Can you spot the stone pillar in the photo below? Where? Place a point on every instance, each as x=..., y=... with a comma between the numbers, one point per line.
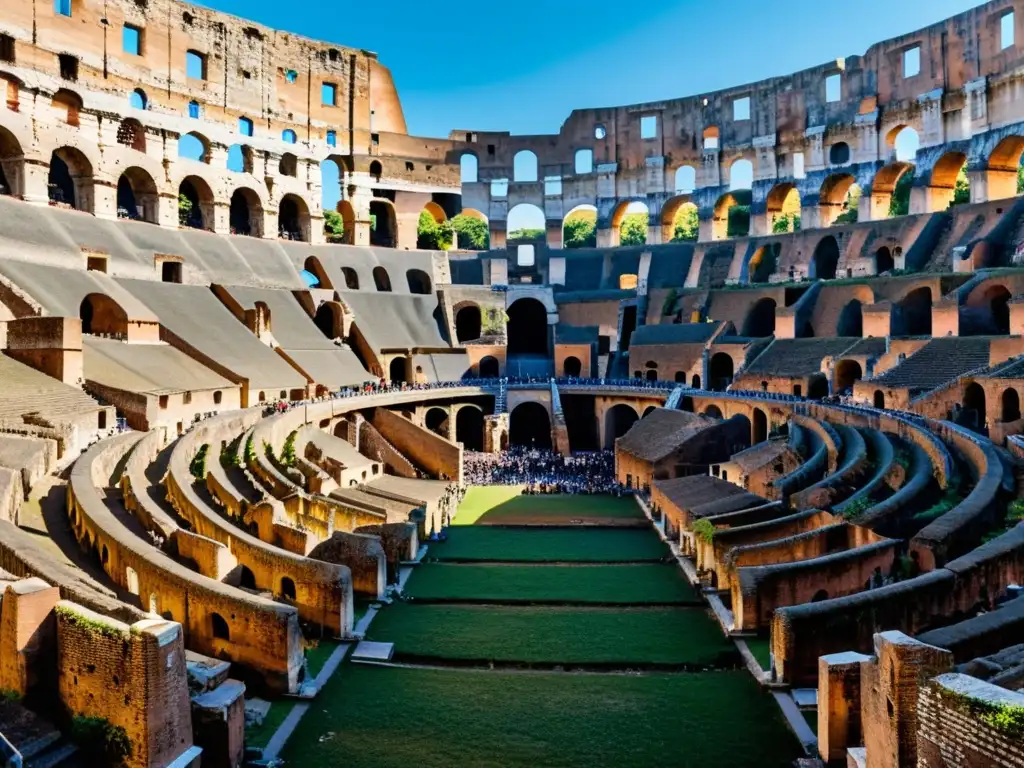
x=104, y=199
x=28, y=638
x=710, y=171
x=218, y=724
x=556, y=270
x=930, y=199
x=553, y=237
x=653, y=229
x=815, y=148
x=889, y=691
x=606, y=237
x=766, y=164
x=874, y=206
x=933, y=131
x=839, y=723
x=221, y=223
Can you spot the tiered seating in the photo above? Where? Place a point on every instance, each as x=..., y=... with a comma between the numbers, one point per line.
x=939, y=361
x=795, y=358
x=219, y=620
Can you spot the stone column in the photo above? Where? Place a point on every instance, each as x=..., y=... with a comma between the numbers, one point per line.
x=839, y=723
x=28, y=636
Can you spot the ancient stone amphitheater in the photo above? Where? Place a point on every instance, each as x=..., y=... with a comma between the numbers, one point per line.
x=227, y=425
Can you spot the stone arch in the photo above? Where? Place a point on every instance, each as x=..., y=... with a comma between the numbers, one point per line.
x=436, y=420
x=137, y=196
x=469, y=428
x=468, y=322
x=287, y=588
x=384, y=224
x=469, y=167
x=884, y=185
x=246, y=578
x=884, y=261
x=1010, y=401
x=759, y=431
x=713, y=411
x=695, y=381
x=376, y=170
x=720, y=218
x=70, y=180
x=760, y=320
x=720, y=372
x=851, y=319
x=625, y=214
x=572, y=366
x=12, y=164
x=351, y=278
x=839, y=153
x=530, y=426
x=974, y=400
x=825, y=259
x=675, y=213
x=293, y=220
x=817, y=387
x=245, y=215
x=398, y=370
x=839, y=200
x=527, y=327
x=991, y=303
x=783, y=208
x=489, y=367
x=436, y=212
x=131, y=134
x=902, y=143
x=1002, y=169
x=878, y=399
x=381, y=279
x=741, y=174
x=762, y=265
x=942, y=183
x=618, y=420
x=680, y=377
x=912, y=315
x=103, y=316
x=330, y=320
x=585, y=213
x=524, y=166
x=219, y=627
x=200, y=211
x=848, y=372
x=131, y=580
x=348, y=223
x=195, y=146
x=419, y=281
x=241, y=159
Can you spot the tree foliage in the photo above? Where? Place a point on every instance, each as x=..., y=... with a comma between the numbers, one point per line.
x=433, y=235
x=580, y=232
x=899, y=205
x=786, y=222
x=687, y=225
x=739, y=221
x=633, y=230
x=526, y=234
x=473, y=233
x=962, y=189
x=850, y=206
x=334, y=226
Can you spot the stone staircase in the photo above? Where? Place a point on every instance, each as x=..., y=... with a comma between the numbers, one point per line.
x=38, y=742
x=675, y=399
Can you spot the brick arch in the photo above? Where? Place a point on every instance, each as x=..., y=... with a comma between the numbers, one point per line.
x=775, y=202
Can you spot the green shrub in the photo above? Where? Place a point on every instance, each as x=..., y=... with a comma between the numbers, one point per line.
x=288, y=452
x=704, y=529
x=493, y=321
x=198, y=464
x=633, y=230
x=857, y=507
x=100, y=741
x=580, y=232
x=669, y=307
x=433, y=235
x=473, y=233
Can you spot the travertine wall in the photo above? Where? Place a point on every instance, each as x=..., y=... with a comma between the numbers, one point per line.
x=441, y=458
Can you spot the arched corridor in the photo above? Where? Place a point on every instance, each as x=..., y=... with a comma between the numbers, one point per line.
x=530, y=426
x=469, y=428
x=527, y=328
x=617, y=422
x=467, y=323
x=720, y=372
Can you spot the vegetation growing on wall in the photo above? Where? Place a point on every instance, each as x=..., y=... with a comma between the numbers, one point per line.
x=334, y=226
x=433, y=235
x=493, y=321
x=687, y=225
x=90, y=624
x=669, y=307
x=101, y=742
x=704, y=529
x=580, y=229
x=473, y=233
x=288, y=452
x=198, y=464
x=633, y=230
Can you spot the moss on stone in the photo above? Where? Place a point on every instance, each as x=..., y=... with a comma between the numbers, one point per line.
x=90, y=624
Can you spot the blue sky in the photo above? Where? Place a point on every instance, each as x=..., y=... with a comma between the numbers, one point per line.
x=523, y=66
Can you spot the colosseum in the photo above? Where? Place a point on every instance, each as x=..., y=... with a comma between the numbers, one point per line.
x=689, y=435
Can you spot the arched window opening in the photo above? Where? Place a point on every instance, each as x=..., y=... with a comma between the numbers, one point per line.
x=584, y=161
x=468, y=323
x=293, y=219
x=527, y=328
x=878, y=400
x=912, y=316
x=760, y=320
x=351, y=278
x=572, y=366
x=246, y=578
x=630, y=222
x=825, y=259
x=383, y=227
x=289, y=165
x=246, y=213
x=680, y=377
x=686, y=179
x=288, y=136
x=240, y=159
x=524, y=166
x=468, y=168
x=839, y=153
x=376, y=170
x=138, y=99
x=975, y=407
x=70, y=181
x=193, y=146
x=137, y=196
x=397, y=370
x=1011, y=406
x=618, y=420
x=220, y=627
x=131, y=134
x=851, y=319
x=287, y=588
x=436, y=421
x=490, y=368
x=883, y=261
x=720, y=372
x=195, y=203
x=419, y=281
x=848, y=372
x=381, y=279
x=68, y=105
x=741, y=175
x=530, y=426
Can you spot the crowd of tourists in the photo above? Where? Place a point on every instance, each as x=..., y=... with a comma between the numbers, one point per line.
x=543, y=471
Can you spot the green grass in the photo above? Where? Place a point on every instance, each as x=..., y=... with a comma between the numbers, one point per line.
x=533, y=545
x=506, y=505
x=259, y=735
x=760, y=647
x=519, y=635
x=376, y=717
x=316, y=657
x=620, y=584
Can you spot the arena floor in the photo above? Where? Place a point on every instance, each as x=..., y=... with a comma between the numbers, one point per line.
x=545, y=646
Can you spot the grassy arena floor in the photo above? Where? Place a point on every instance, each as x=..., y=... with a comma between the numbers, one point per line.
x=506, y=505
x=516, y=635
x=601, y=584
x=376, y=717
x=551, y=545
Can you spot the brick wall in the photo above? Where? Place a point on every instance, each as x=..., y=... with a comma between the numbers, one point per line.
x=427, y=449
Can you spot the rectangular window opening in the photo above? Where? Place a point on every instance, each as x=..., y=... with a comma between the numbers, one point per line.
x=741, y=109
x=912, y=61
x=170, y=271
x=7, y=49
x=833, y=88
x=68, y=66
x=552, y=185
x=1006, y=32
x=798, y=166
x=131, y=40
x=649, y=127
x=499, y=188
x=195, y=65
x=62, y=7
x=329, y=94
